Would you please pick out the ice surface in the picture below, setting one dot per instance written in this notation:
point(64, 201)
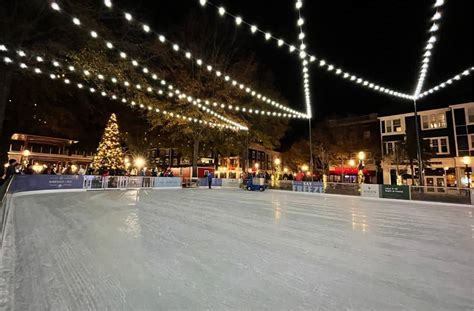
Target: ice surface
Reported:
point(231, 249)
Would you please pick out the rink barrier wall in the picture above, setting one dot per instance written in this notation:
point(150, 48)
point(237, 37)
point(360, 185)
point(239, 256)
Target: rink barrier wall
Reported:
point(451, 195)
point(92, 182)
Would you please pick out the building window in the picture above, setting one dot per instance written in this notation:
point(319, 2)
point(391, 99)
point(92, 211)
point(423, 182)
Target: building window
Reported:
point(434, 121)
point(439, 145)
point(471, 142)
point(393, 126)
point(366, 134)
point(470, 115)
point(390, 147)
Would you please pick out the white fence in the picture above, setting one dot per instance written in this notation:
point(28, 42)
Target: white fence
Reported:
point(132, 182)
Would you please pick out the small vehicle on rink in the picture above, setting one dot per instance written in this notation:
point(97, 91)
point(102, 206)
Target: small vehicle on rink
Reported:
point(255, 184)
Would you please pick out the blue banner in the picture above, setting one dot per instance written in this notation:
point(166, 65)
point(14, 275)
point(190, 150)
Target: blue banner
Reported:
point(22, 183)
point(308, 186)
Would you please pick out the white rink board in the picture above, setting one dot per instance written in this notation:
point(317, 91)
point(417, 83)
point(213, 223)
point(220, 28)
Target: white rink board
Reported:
point(232, 249)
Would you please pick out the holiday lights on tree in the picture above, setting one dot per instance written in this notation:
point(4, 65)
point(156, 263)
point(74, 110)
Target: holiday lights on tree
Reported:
point(109, 155)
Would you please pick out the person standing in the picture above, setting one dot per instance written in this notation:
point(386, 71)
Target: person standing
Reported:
point(29, 170)
point(82, 170)
point(210, 176)
point(11, 169)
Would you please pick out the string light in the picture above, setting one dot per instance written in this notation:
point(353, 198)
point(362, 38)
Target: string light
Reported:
point(464, 74)
point(426, 58)
point(114, 97)
point(304, 62)
point(127, 84)
point(292, 48)
point(214, 70)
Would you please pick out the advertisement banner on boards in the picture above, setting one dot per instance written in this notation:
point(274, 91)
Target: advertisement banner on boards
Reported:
point(168, 182)
point(308, 186)
point(370, 191)
point(396, 192)
point(46, 182)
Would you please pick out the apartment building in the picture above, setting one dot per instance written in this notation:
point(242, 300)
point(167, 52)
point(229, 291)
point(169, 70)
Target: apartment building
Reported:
point(446, 135)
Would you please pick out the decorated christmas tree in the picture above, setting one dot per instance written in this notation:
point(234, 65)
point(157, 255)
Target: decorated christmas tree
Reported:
point(109, 156)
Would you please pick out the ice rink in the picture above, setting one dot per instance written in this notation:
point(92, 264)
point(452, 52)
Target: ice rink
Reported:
point(230, 249)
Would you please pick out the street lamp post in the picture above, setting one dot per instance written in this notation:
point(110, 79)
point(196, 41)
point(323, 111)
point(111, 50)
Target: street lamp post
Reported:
point(468, 170)
point(352, 164)
point(277, 171)
point(418, 146)
point(25, 154)
point(361, 167)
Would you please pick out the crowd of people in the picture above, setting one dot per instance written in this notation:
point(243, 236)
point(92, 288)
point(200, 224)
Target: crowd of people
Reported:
point(15, 168)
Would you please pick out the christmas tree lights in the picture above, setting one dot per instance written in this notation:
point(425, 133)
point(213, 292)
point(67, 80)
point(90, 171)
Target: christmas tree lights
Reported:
point(109, 156)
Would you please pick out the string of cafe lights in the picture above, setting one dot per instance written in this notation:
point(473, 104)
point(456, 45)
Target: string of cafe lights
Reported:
point(425, 63)
point(211, 69)
point(303, 54)
point(95, 35)
point(69, 82)
point(145, 71)
point(145, 89)
point(99, 77)
point(444, 84)
point(304, 62)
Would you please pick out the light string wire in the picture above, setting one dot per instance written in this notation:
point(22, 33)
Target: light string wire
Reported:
point(464, 74)
point(95, 35)
point(304, 62)
point(211, 69)
point(306, 55)
point(429, 47)
point(81, 85)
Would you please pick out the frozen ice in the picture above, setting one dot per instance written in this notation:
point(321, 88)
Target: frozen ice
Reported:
point(215, 249)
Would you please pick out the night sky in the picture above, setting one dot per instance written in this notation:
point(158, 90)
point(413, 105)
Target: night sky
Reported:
point(381, 41)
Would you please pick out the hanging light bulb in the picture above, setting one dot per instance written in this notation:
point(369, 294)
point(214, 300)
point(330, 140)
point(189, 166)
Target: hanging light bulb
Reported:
point(55, 6)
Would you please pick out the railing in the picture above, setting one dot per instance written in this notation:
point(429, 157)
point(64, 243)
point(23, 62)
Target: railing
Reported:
point(3, 202)
point(441, 194)
point(130, 182)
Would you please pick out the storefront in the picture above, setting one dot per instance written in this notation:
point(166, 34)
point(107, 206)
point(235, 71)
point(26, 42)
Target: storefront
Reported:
point(350, 175)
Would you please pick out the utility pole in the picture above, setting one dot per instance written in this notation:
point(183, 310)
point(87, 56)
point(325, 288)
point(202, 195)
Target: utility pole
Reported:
point(418, 143)
point(311, 168)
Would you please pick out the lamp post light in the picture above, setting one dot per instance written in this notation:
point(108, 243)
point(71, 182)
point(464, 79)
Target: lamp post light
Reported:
point(277, 170)
point(25, 154)
point(139, 162)
point(361, 167)
point(468, 170)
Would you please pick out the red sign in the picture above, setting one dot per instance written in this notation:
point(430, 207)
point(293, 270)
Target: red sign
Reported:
point(347, 171)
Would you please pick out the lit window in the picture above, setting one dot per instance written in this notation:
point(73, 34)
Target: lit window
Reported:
point(470, 115)
point(434, 121)
point(397, 125)
point(393, 126)
point(471, 142)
